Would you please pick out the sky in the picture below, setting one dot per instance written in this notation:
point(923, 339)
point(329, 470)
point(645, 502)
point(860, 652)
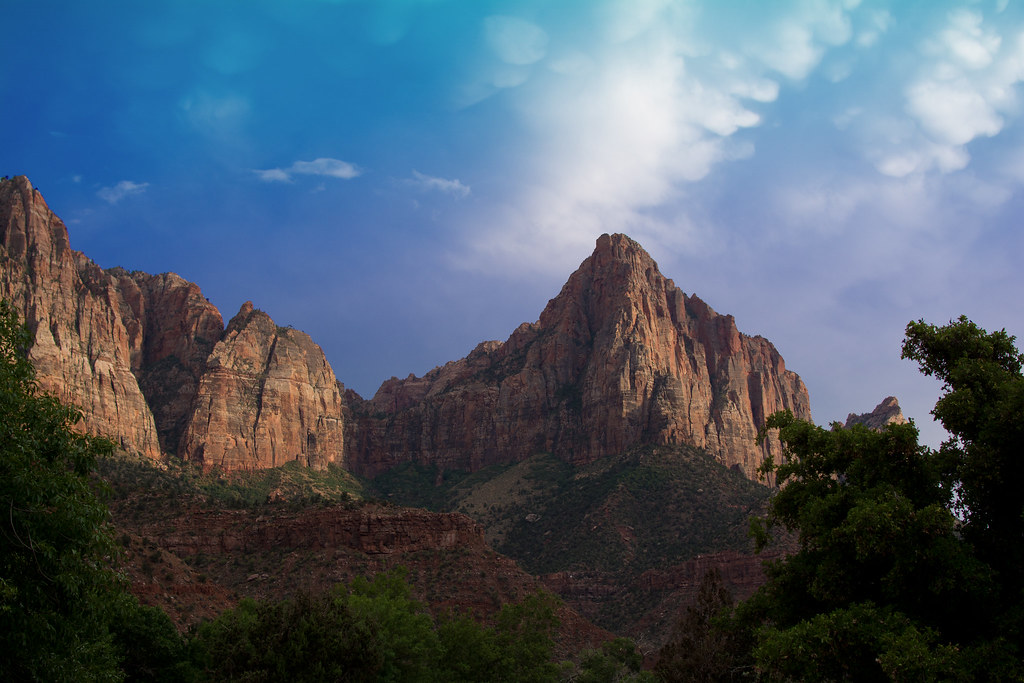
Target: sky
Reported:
point(403, 179)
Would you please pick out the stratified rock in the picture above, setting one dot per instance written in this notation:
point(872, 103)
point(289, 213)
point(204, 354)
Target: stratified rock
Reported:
point(620, 357)
point(886, 412)
point(87, 333)
point(267, 397)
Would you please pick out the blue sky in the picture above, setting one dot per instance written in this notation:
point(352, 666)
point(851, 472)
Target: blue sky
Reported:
point(405, 178)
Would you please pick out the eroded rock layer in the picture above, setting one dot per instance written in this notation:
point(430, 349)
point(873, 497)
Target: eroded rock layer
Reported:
point(268, 396)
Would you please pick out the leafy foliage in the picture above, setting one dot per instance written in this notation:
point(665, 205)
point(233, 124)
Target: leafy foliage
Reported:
point(699, 648)
point(982, 407)
point(888, 584)
point(57, 595)
point(374, 631)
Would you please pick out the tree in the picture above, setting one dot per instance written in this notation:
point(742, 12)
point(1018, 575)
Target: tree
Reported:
point(881, 587)
point(982, 407)
point(909, 560)
point(57, 592)
point(699, 649)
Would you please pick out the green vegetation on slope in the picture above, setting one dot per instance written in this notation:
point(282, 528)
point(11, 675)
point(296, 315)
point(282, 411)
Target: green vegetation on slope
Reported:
point(141, 485)
point(652, 507)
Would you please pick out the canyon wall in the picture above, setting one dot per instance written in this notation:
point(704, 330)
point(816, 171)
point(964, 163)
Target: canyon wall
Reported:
point(147, 358)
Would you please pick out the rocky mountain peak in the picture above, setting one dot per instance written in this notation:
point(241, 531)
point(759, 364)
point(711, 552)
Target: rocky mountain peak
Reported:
point(886, 412)
point(620, 357)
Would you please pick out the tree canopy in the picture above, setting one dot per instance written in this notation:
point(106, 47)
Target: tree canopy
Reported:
point(909, 560)
point(56, 588)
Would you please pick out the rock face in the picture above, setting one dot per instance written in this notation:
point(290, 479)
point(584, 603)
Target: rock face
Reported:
point(268, 396)
point(620, 357)
point(147, 358)
point(886, 412)
point(88, 334)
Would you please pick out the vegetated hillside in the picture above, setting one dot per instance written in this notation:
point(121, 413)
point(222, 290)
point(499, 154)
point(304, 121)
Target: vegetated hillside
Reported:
point(650, 507)
point(597, 531)
point(198, 540)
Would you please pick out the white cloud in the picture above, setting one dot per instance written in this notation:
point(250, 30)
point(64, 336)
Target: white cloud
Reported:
point(967, 42)
point(964, 90)
point(453, 187)
point(125, 188)
point(952, 112)
point(514, 40)
point(332, 168)
point(652, 97)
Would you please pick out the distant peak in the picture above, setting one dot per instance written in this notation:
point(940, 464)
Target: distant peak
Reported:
point(886, 412)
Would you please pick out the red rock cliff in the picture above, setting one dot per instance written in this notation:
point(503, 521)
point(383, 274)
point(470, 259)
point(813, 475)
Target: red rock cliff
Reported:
point(88, 336)
point(147, 358)
point(268, 396)
point(620, 357)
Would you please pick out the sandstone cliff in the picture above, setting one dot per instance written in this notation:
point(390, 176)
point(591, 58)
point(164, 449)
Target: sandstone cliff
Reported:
point(88, 337)
point(149, 362)
point(268, 396)
point(620, 357)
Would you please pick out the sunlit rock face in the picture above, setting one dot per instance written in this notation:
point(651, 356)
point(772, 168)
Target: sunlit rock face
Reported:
point(148, 361)
point(620, 357)
point(268, 396)
point(87, 324)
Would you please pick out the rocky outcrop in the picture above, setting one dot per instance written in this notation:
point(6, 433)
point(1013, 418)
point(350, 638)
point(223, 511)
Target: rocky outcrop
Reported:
point(268, 397)
point(620, 357)
point(372, 530)
point(885, 413)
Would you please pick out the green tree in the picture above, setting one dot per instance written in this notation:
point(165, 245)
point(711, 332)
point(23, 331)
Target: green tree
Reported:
point(982, 407)
point(402, 632)
point(304, 638)
point(57, 592)
point(909, 560)
point(881, 587)
point(701, 647)
point(616, 662)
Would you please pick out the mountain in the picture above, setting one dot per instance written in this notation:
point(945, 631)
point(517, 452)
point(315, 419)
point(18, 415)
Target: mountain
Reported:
point(620, 357)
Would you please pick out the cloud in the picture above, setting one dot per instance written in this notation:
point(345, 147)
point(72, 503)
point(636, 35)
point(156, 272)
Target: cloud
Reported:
point(650, 99)
point(125, 188)
point(331, 168)
point(964, 89)
point(515, 41)
point(453, 187)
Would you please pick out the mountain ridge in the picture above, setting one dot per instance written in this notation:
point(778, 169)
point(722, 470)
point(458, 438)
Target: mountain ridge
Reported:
point(619, 357)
